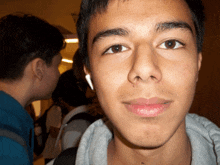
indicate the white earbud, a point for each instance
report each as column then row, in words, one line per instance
column 88, row 79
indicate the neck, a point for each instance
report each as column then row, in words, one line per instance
column 16, row 90
column 177, row 150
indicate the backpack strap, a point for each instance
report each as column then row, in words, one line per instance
column 66, row 157
column 84, row 116
column 13, row 134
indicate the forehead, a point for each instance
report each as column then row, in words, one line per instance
column 137, row 5
column 121, row 12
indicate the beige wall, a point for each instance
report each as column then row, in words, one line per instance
column 57, row 12
column 37, row 107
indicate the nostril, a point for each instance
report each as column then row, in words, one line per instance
column 153, row 77
column 138, row 77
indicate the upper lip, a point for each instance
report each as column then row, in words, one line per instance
column 143, row 101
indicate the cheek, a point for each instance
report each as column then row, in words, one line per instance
column 106, row 83
column 106, row 73
column 183, row 74
column 56, row 73
column 182, row 80
column 107, row 80
column 54, row 77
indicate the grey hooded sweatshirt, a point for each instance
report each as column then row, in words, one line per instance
column 203, row 134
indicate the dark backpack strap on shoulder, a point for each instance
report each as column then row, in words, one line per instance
column 84, row 116
column 13, row 134
column 66, row 157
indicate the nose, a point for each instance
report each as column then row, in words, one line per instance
column 144, row 66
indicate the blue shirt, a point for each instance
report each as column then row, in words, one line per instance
column 15, row 117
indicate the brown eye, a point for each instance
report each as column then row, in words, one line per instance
column 115, row 49
column 171, row 44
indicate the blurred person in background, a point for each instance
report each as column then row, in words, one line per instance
column 31, row 111
column 69, row 95
column 73, row 98
column 29, row 58
column 52, row 124
column 78, row 71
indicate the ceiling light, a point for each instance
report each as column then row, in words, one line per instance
column 72, row 40
column 67, row 60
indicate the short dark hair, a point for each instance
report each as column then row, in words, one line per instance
column 68, row 90
column 91, row 7
column 23, row 38
column 78, row 71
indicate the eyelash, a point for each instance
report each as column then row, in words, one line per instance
column 164, row 46
column 122, row 48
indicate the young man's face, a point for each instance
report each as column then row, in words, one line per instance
column 144, row 65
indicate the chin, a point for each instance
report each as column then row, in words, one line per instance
column 140, row 142
column 47, row 97
column 150, row 146
column 44, row 96
column 145, row 144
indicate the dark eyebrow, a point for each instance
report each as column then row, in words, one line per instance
column 110, row 32
column 159, row 27
column 173, row 25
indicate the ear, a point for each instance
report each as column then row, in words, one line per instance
column 38, row 67
column 88, row 77
column 86, row 70
column 199, row 60
column 199, row 64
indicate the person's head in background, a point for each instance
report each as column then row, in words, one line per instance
column 30, row 55
column 67, row 94
column 141, row 54
column 80, row 75
column 78, row 71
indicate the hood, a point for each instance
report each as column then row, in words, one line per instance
column 203, row 134
column 205, row 140
column 93, row 145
